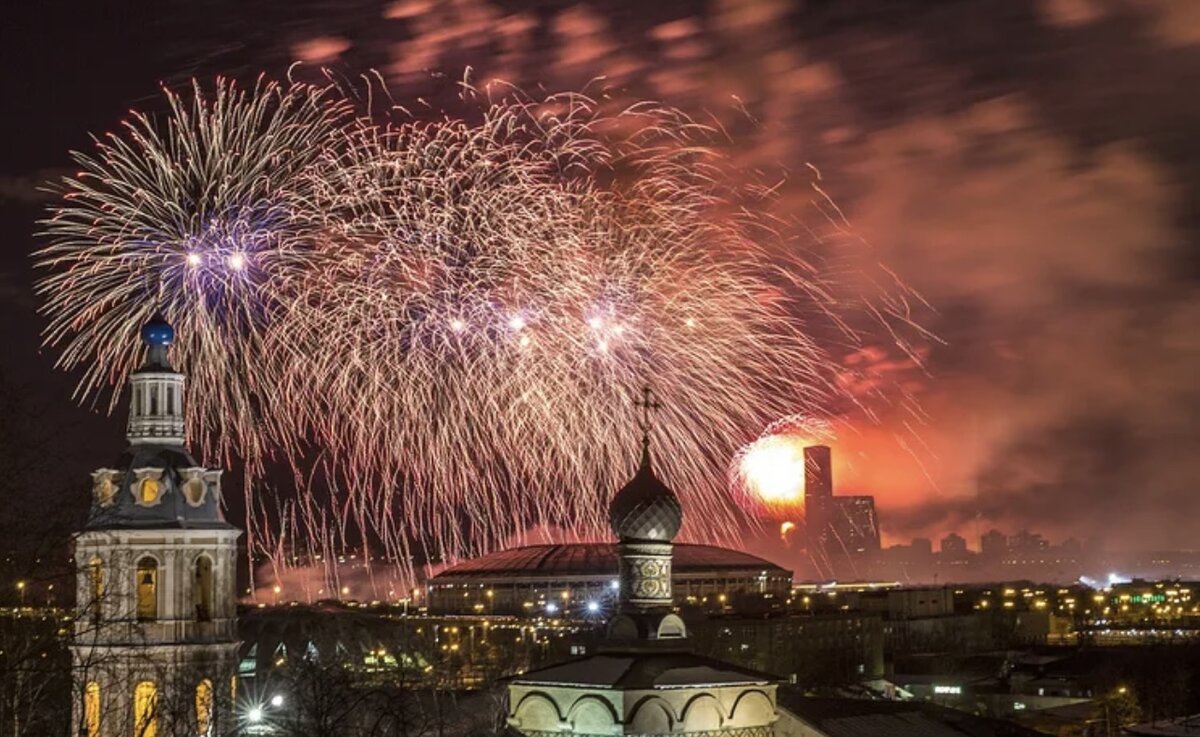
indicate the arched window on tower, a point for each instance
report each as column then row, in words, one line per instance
column 145, row 709
column 147, row 589
column 204, row 707
column 96, row 587
column 169, row 408
column 153, row 400
column 202, row 588
column 92, row 708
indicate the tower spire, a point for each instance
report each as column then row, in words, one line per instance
column 156, row 412
column 645, row 516
column 647, row 404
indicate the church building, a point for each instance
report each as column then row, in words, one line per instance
column 155, row 640
column 645, row 679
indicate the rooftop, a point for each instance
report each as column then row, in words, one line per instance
column 635, row 671
column 839, row 717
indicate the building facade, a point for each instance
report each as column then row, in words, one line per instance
column 155, row 645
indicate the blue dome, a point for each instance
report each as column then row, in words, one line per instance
column 158, row 332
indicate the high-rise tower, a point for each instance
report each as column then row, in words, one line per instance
column 818, row 494
column 155, row 640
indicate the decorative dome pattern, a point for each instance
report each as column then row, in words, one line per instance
column 645, row 509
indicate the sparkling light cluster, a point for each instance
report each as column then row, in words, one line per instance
column 440, row 326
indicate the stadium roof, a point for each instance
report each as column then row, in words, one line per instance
column 598, row 559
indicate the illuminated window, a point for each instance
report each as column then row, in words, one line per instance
column 145, row 709
column 233, row 689
column 147, row 589
column 91, row 709
column 148, row 491
column 204, row 707
column 96, row 583
column 202, row 588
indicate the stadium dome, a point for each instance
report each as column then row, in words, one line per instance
column 558, row 578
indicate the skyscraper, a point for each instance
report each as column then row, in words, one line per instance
column 853, row 526
column 818, row 494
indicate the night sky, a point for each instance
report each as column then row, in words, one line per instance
column 1030, row 167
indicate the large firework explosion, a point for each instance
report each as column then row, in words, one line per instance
column 439, row 327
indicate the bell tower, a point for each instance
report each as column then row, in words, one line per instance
column 155, row 636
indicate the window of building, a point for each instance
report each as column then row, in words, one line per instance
column 145, row 709
column 202, row 588
column 96, row 584
column 147, row 589
column 103, row 487
column 92, row 709
column 194, row 489
column 170, row 406
column 204, row 707
column 148, row 491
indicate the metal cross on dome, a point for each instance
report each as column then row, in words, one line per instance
column 648, row 404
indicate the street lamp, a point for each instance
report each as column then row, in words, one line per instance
column 21, row 589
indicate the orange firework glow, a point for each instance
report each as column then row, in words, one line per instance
column 774, row 469
column 769, row 472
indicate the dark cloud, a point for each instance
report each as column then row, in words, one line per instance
column 29, row 189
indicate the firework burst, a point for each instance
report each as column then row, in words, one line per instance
column 442, row 324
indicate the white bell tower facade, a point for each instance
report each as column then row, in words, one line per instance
column 155, row 636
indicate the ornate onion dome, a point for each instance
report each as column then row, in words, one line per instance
column 645, row 509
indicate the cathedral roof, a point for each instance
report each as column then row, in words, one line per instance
column 645, row 509
column 640, row 671
column 189, row 496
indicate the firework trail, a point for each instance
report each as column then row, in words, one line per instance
column 439, row 326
